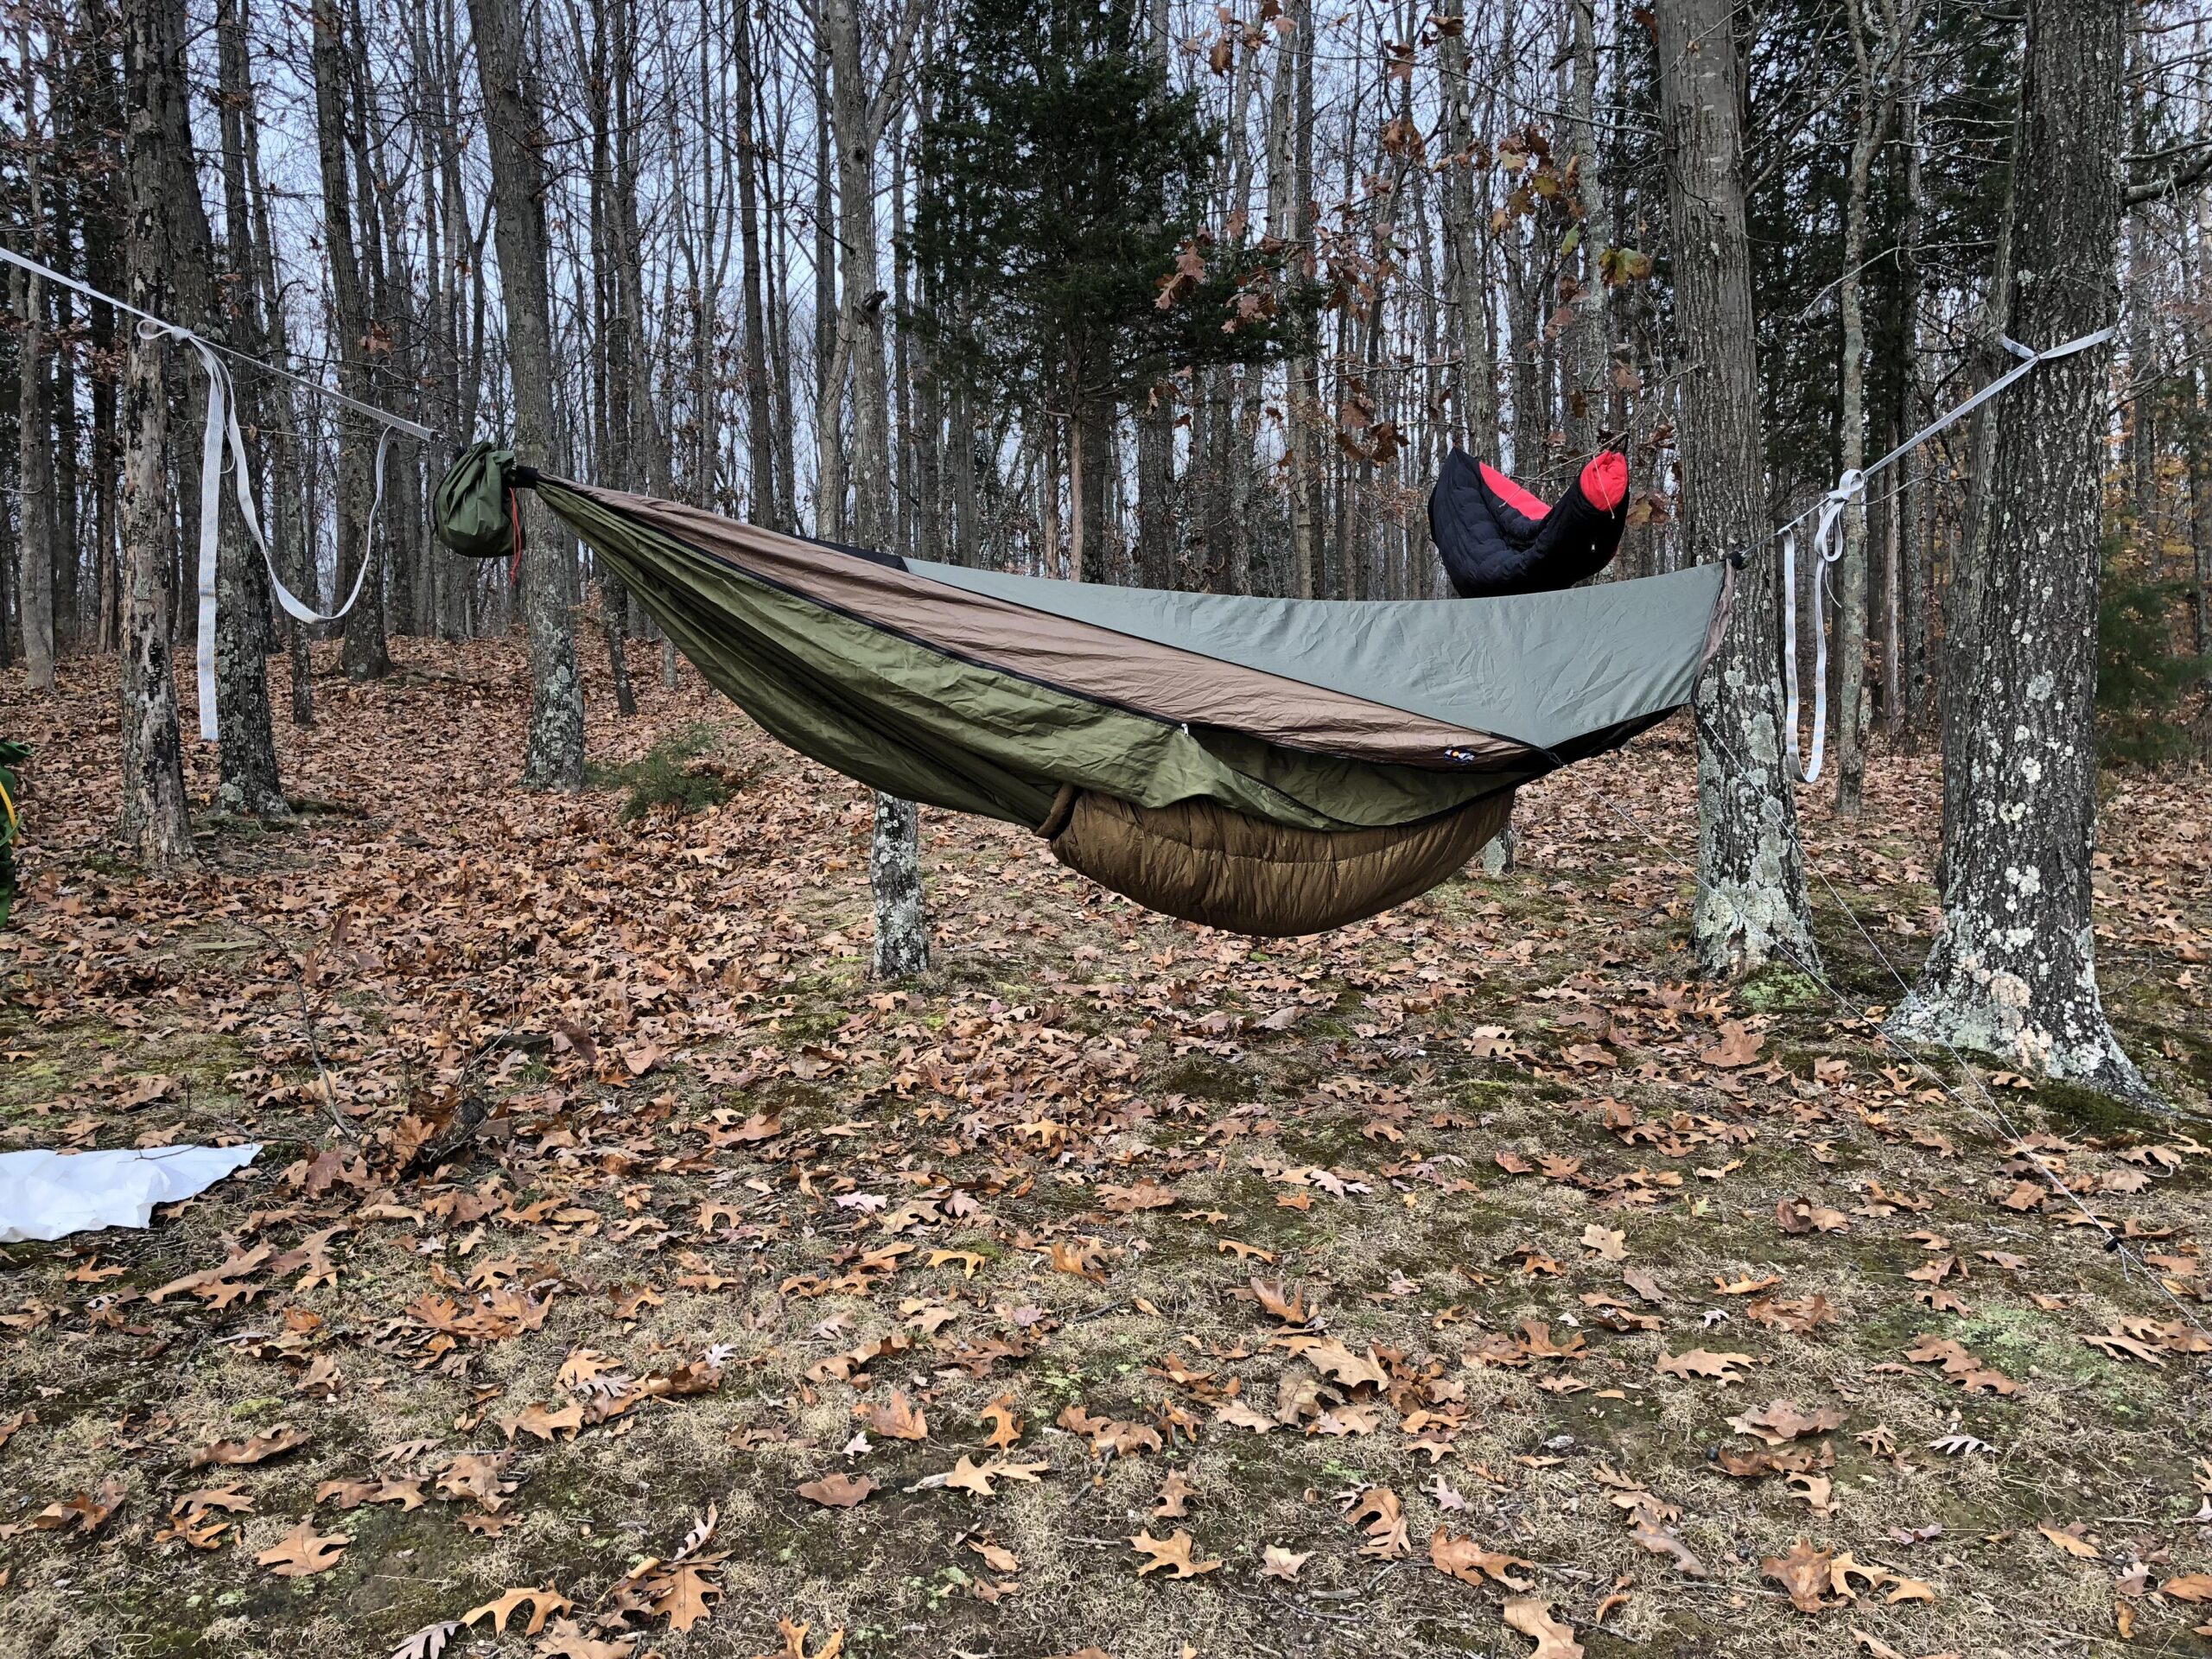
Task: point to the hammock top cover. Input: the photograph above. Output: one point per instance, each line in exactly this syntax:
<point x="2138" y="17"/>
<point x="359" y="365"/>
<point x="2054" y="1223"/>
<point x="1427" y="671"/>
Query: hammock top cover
<point x="1272" y="765"/>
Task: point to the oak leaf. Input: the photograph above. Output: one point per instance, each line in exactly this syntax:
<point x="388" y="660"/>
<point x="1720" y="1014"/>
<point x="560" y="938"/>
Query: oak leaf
<point x="2071" y="1542"/>
<point x="543" y="1602"/>
<point x="840" y="1491"/>
<point x="258" y="1449"/>
<point x="1006" y="1428"/>
<point x="1533" y="1617"/>
<point x="1739" y="1047"/>
<point x="303" y="1551"/>
<point x="1172" y="1552"/>
<point x="895" y="1419"/>
<point x="680" y="1595"/>
<point x="1700" y="1362"/>
<point x="1805" y="1572"/>
<point x="1377" y="1511"/>
<point x="1780" y="1422"/>
<point x="1468" y="1561"/>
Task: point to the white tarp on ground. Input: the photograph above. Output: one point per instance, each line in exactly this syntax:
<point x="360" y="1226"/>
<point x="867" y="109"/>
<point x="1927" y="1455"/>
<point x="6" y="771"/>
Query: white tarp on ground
<point x="53" y="1194"/>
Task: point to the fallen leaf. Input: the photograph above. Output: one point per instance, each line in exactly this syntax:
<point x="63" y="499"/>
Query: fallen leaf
<point x="1804" y="1573"/>
<point x="840" y="1491"/>
<point x="1172" y="1553"/>
<point x="2071" y="1543"/>
<point x="895" y="1419"/>
<point x="303" y="1551"/>
<point x="1533" y="1617"/>
<point x="259" y="1449"/>
<point x="1607" y="1243"/>
<point x="1700" y="1362"/>
<point x="1469" y="1562"/>
<point x="1739" y="1047"/>
<point x="543" y="1602"/>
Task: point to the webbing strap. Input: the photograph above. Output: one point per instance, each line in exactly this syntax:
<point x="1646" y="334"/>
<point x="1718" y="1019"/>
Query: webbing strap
<point x="1828" y="547"/>
<point x="221" y="432"/>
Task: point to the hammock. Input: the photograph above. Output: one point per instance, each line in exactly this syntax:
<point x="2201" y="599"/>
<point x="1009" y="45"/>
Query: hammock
<point x="1272" y="766"/>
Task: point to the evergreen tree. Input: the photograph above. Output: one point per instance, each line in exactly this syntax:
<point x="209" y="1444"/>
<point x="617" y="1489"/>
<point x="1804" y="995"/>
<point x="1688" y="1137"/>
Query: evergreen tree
<point x="1059" y="226"/>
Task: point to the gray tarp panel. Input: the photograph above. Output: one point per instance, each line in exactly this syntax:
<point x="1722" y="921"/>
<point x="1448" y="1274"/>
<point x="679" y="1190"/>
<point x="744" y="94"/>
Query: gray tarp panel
<point x="1520" y="667"/>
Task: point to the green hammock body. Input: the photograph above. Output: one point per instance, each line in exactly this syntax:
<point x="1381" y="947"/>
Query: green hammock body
<point x="1271" y="765"/>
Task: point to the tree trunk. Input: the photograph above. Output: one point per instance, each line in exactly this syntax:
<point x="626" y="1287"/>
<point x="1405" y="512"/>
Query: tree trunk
<point x="156" y="822"/>
<point x="35" y="476"/>
<point x="1303" y="377"/>
<point x="1470" y="276"/>
<point x="1915" y="502"/>
<point x="34" y="545"/>
<point x="1850" y="649"/>
<point x="760" y="421"/>
<point x="555" y="757"/>
<point x="249" y="782"/>
<point x="2013" y="972"/>
<point x="902" y="940"/>
<point x="1751" y="902"/>
<point x="364" y="654"/>
<point x="1589" y="334"/>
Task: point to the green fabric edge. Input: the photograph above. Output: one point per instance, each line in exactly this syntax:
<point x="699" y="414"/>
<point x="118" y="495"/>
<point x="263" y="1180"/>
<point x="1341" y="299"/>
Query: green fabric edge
<point x="909" y="719"/>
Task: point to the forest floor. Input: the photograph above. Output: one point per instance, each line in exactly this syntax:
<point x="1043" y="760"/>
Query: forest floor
<point x="1473" y="1280"/>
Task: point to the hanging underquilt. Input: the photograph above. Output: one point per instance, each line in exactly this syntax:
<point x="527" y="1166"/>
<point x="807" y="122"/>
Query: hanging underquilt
<point x="1271" y="766"/>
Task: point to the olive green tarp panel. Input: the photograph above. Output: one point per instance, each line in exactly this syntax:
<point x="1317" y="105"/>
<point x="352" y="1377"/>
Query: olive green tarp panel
<point x="1551" y="670"/>
<point x="1184" y="688"/>
<point x="914" y="721"/>
<point x="1206" y="864"/>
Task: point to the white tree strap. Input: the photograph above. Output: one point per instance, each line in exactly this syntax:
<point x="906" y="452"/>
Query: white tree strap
<point x="1828" y="547"/>
<point x="222" y="430"/>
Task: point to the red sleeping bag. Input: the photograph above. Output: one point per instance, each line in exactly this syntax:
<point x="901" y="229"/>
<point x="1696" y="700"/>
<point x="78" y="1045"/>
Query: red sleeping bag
<point x="1497" y="538"/>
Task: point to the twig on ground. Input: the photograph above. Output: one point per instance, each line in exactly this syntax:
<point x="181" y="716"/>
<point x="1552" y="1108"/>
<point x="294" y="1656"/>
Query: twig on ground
<point x="307" y="1025"/>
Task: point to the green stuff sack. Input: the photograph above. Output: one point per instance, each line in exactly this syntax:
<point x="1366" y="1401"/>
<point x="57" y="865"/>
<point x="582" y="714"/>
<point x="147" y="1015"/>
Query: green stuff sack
<point x="476" y="503"/>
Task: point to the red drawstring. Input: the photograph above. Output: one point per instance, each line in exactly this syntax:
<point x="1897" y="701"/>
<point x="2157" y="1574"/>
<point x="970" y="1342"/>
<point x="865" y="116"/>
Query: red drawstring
<point x="514" y="517"/>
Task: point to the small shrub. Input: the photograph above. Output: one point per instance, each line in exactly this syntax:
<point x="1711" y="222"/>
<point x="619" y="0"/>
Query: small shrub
<point x="671" y="773"/>
<point x="2143" y="681"/>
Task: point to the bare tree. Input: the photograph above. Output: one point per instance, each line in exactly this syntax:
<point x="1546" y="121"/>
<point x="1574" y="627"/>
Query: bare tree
<point x="2014" y="971"/>
<point x="365" y="654"/>
<point x="555" y="756"/>
<point x="902" y="939"/>
<point x="1752" y="901"/>
<point x="157" y="821"/>
<point x="34" y="424"/>
<point x="249" y="782"/>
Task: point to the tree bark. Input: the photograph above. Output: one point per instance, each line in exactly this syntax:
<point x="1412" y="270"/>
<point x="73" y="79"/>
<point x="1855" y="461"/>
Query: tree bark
<point x="1589" y="334"/>
<point x="364" y="654"/>
<point x="1850" y="647"/>
<point x="249" y="782"/>
<point x="157" y="821"/>
<point x="2013" y="972"/>
<point x="765" y="507"/>
<point x="35" y="544"/>
<point x="902" y="939"/>
<point x="35" y="476"/>
<point x="1751" y="902"/>
<point x="555" y="756"/>
<point x="1470" y="276"/>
